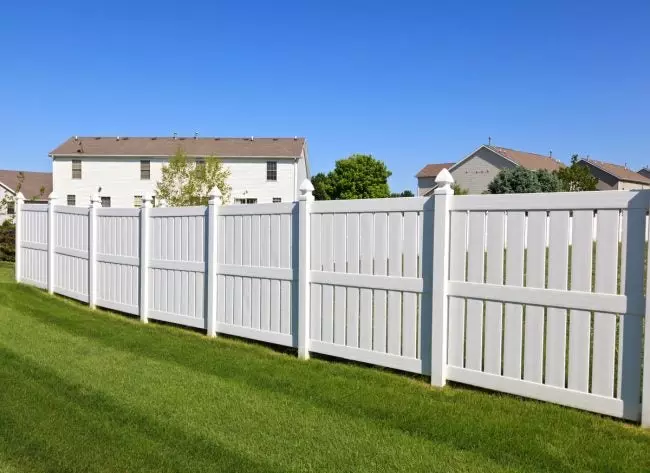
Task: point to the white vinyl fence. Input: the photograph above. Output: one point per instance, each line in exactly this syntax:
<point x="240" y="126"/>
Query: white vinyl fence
<point x="538" y="295"/>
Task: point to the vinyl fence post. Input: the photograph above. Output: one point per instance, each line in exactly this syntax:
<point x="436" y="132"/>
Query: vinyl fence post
<point x="18" y="234"/>
<point x="51" y="232"/>
<point x="442" y="195"/>
<point x="214" y="201"/>
<point x="145" y="225"/>
<point x="304" y="260"/>
<point x="92" y="250"/>
<point x="645" y="398"/>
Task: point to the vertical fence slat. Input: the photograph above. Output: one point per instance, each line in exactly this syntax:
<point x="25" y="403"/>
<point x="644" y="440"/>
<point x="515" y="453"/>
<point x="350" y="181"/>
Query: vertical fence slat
<point x="494" y="310"/>
<point x="410" y="300"/>
<point x="631" y="325"/>
<point x="475" y="273"/>
<point x="381" y="254"/>
<point x="558" y="262"/>
<point x="535" y="275"/>
<point x="394" y="322"/>
<point x="579" y="320"/>
<point x="352" y="303"/>
<point x="366" y="251"/>
<point x="457" y="262"/>
<point x="605" y="324"/>
<point x="513" y="319"/>
<point x="315" y="296"/>
<point x="339" y="242"/>
<point x="327" y="294"/>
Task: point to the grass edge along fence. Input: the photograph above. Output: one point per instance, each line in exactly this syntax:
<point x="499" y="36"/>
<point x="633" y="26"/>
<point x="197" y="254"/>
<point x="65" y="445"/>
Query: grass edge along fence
<point x="414" y="284"/>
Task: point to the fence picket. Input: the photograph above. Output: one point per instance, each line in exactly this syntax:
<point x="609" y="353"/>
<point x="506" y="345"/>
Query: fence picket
<point x="535" y="275"/>
<point x="457" y="262"/>
<point x="381" y="266"/>
<point x="475" y="273"/>
<point x="513" y="326"/>
<point x="494" y="310"/>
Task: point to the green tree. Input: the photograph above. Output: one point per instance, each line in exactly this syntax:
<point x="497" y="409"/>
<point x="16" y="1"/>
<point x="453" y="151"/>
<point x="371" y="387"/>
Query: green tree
<point x="404" y="193"/>
<point x="459" y="190"/>
<point x="186" y="182"/>
<point x="576" y="178"/>
<point x="520" y="180"/>
<point x="358" y="177"/>
<point x="322" y="188"/>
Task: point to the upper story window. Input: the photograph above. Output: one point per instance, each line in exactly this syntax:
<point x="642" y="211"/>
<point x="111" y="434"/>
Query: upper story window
<point x="145" y="170"/>
<point x="245" y="201"/>
<point x="271" y="170"/>
<point x="72" y="200"/>
<point x="76" y="169"/>
<point x="11" y="207"/>
<point x="106" y="201"/>
<point x="137" y="201"/>
<point x="277" y="200"/>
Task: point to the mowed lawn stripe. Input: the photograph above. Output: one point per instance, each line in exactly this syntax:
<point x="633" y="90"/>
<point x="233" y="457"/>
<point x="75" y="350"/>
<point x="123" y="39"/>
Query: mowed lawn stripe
<point x="92" y="391"/>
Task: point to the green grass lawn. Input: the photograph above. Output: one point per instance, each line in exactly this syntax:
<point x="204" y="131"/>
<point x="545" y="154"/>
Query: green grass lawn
<point x="85" y="391"/>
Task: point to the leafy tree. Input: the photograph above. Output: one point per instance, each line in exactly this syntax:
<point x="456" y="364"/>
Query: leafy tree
<point x="9" y="198"/>
<point x="576" y="178"/>
<point x="322" y="188"/>
<point x="358" y="177"/>
<point x="405" y="193"/>
<point x="185" y="182"/>
<point x="7" y="241"/>
<point x="459" y="190"/>
<point x="520" y="180"/>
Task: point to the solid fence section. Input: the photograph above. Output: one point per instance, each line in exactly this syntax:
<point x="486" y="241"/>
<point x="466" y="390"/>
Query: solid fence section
<point x="542" y="296"/>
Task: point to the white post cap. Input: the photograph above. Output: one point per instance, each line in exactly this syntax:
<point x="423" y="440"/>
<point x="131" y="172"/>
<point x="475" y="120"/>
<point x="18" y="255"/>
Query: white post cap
<point x="19" y="196"/>
<point x="214" y="197"/>
<point x="306" y="190"/>
<point x="95" y="200"/>
<point x="146" y="199"/>
<point x="53" y="196"/>
<point x="444" y="180"/>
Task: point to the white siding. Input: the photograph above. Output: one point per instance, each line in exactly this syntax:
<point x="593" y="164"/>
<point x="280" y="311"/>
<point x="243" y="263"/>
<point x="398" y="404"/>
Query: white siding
<point x="119" y="178"/>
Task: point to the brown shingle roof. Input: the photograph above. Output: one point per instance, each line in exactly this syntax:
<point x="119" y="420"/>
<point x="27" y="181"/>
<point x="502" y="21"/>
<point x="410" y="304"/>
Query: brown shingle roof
<point x="528" y="160"/>
<point x="432" y="170"/>
<point x="167" y="146"/>
<point x="37" y="185"/>
<point x="619" y="172"/>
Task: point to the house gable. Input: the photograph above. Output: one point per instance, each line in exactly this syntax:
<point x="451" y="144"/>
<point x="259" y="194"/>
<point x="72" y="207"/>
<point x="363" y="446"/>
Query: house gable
<point x="477" y="170"/>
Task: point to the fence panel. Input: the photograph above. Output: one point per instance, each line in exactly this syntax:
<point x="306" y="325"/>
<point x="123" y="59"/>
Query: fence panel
<point x="177" y="265"/>
<point x="567" y="326"/>
<point x="118" y="259"/>
<point x="71" y="252"/>
<point x="34" y="244"/>
<point x="256" y="272"/>
<point x="367" y="280"/>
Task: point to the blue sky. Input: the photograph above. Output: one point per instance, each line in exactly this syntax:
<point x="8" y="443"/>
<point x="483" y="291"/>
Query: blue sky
<point x="410" y="82"/>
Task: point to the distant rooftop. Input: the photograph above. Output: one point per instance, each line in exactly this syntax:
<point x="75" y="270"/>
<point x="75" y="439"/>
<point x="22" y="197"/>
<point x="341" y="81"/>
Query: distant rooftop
<point x="622" y="173"/>
<point x="192" y="146"/>
<point x="36" y="185"/>
<point x="432" y="170"/>
<point x="528" y="160"/>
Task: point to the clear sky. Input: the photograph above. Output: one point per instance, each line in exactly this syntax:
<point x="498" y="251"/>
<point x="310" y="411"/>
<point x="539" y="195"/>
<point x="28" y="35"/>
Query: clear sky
<point x="411" y="82"/>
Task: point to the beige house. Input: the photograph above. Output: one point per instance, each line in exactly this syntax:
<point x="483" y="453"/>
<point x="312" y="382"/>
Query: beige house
<point x="478" y="169"/>
<point x="615" y="177"/>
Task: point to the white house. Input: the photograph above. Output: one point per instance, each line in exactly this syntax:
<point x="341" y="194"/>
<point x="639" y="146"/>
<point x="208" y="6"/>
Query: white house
<point x="35" y="186"/>
<point x="122" y="169"/>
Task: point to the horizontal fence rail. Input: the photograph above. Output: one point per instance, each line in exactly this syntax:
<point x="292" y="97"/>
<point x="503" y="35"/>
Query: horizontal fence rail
<point x="537" y="295"/>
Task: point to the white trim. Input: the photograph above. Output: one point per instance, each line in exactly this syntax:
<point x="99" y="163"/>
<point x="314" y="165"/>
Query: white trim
<point x="387" y="360"/>
<point x="117" y="306"/>
<point x="69" y="210"/>
<point x="81" y="254"/>
<point x="118" y="259"/>
<point x="164" y="156"/>
<point x="197" y="211"/>
<point x="577" y="300"/>
<point x="30" y="245"/>
<point x="543" y="392"/>
<point x="33" y="282"/>
<point x="394" y="204"/>
<point x="259" y="335"/>
<point x="368" y="281"/>
<point x="594" y="200"/>
<point x="117" y="212"/>
<point x="71" y="294"/>
<point x="190" y="266"/>
<point x="257" y="209"/>
<point x="176" y="319"/>
<point x="257" y="272"/>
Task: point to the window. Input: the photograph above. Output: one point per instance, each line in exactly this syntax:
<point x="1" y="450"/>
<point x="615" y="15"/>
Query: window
<point x="245" y="201"/>
<point x="137" y="201"/>
<point x="200" y="162"/>
<point x="145" y="170"/>
<point x="106" y="201"/>
<point x="271" y="170"/>
<point x="11" y="207"/>
<point x="76" y="169"/>
<point x="72" y="200"/>
<point x="277" y="200"/>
